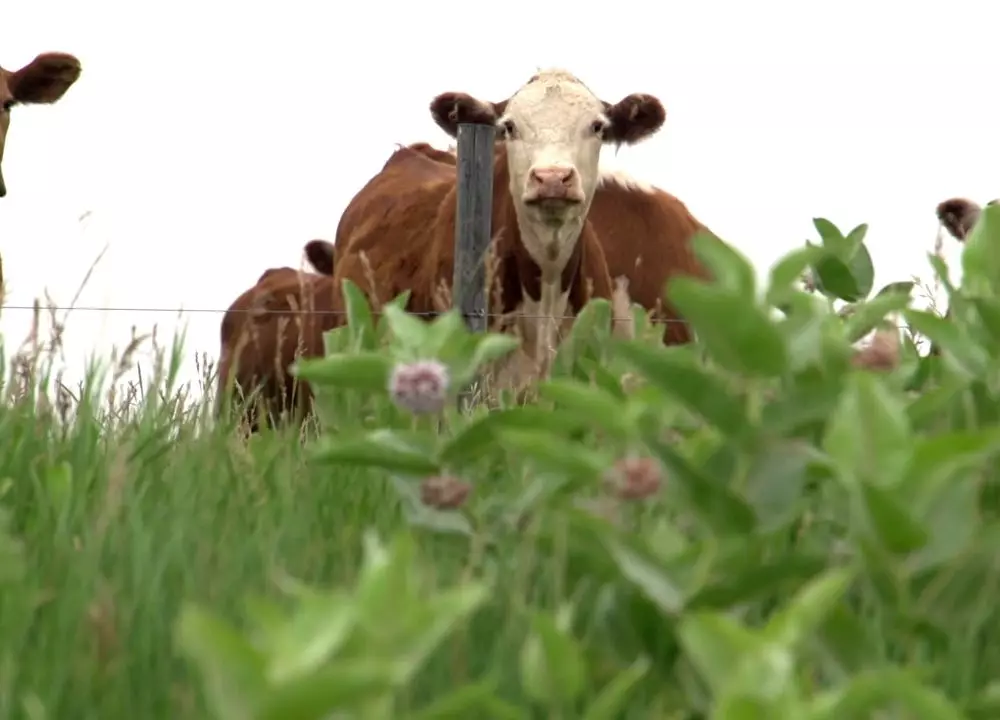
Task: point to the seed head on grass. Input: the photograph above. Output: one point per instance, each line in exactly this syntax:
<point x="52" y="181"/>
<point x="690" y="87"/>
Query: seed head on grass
<point x="420" y="387"/>
<point x="635" y="478"/>
<point x="444" y="492"/>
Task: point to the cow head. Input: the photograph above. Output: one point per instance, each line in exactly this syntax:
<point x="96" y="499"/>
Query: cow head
<point x="553" y="128"/>
<point x="958" y="216"/>
<point x="42" y="81"/>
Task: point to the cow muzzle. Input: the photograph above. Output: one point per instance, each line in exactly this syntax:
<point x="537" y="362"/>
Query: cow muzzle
<point x="553" y="187"/>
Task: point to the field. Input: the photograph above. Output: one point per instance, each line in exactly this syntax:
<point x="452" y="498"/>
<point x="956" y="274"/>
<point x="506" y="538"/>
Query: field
<point x="771" y="523"/>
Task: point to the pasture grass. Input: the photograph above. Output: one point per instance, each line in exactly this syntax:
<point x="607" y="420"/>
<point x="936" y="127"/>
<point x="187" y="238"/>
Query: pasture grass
<point x="121" y="508"/>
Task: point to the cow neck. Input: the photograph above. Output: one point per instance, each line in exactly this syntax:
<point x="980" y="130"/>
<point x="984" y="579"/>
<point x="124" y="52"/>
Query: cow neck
<point x="512" y="244"/>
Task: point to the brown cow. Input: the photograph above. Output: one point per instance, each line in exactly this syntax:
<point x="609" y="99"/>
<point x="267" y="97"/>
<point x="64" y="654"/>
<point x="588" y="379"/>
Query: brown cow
<point x="42" y="81"/>
<point x="959" y="215"/>
<point x="644" y="232"/>
<point x="549" y="258"/>
<point x="282" y="317"/>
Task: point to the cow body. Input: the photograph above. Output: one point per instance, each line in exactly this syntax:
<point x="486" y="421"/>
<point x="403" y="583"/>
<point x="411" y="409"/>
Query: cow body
<point x="42" y="81"/>
<point x="282" y="317"/>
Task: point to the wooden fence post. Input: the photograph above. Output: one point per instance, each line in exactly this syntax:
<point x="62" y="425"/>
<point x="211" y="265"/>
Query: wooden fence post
<point x="472" y="226"/>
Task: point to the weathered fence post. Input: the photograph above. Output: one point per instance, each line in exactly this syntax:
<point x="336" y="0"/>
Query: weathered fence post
<point x="472" y="226"/>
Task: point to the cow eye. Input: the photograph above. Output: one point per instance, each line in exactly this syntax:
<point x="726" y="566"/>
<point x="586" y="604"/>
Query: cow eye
<point x="8" y="104"/>
<point x="598" y="127"/>
<point x="509" y="129"/>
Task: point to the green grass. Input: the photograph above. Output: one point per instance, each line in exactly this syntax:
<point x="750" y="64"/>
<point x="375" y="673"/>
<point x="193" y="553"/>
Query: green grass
<point x="124" y="511"/>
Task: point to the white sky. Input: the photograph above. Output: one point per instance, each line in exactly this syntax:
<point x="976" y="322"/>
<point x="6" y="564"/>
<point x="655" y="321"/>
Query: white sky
<point x="209" y="140"/>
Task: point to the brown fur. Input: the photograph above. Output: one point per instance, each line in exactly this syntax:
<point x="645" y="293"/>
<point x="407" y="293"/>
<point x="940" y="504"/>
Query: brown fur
<point x="644" y="237"/>
<point x="959" y="215"/>
<point x="42" y="81"/>
<point x="262" y="335"/>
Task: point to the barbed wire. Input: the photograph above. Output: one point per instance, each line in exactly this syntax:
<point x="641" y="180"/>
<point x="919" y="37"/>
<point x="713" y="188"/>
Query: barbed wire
<point x="267" y="311"/>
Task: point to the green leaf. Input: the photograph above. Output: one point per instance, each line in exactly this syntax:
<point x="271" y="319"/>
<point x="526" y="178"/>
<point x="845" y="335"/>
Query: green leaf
<point x="553" y="453"/>
<point x="478" y="699"/>
<point x="776" y="480"/>
<point x="863" y="694"/>
<point x="868" y="314"/>
<point x="759" y="581"/>
<point x="834" y="278"/>
<point x="489" y="348"/>
<point x="716" y="645"/>
<point x="610" y="702"/>
<point x="808" y="608"/>
<point x="788" y="271"/>
<point x="320" y="626"/>
<point x="833" y="240"/>
<point x="862" y="270"/>
<point x="968" y="357"/>
<point x="981" y="255"/>
<point x="366" y="371"/>
<point x="444" y="329"/>
<point x="340" y="685"/>
<point x="679" y="376"/>
<point x="480" y="436"/>
<point x="898" y="531"/>
<point x="869" y="435"/>
<point x="647" y="575"/>
<point x="359" y="316"/>
<point x="727" y="266"/>
<point x="232" y="671"/>
<point x="738" y="334"/>
<point x="552" y="667"/>
<point x="382" y="449"/>
<point x="903" y="287"/>
<point x="601" y="408"/>
<point x="407" y="329"/>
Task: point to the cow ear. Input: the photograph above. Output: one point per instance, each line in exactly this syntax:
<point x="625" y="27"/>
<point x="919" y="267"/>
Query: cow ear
<point x="451" y="109"/>
<point x="634" y="118"/>
<point x="45" y="79"/>
<point x="320" y="256"/>
<point x="958" y="215"/>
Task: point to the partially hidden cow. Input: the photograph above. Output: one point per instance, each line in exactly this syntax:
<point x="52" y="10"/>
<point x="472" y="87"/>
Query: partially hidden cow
<point x="548" y="258"/>
<point x="959" y="215"/>
<point x="42" y="81"/>
<point x="282" y="317"/>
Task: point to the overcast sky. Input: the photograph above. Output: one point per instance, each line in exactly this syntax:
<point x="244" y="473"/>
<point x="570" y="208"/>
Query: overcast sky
<point x="206" y="141"/>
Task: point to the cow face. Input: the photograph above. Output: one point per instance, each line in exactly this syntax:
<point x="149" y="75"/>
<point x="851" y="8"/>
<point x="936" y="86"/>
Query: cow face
<point x="42" y="81"/>
<point x="553" y="128"/>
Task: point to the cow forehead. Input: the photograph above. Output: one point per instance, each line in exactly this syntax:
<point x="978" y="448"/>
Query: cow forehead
<point x="552" y="99"/>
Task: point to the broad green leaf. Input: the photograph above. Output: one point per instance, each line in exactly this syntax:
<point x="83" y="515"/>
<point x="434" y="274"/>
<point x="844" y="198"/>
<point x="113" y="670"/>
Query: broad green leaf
<point x="610" y="702"/>
<point x="359" y="316"/>
<point x="380" y="449"/>
<point x="834" y="278"/>
<point x="961" y="349"/>
<point x="894" y="525"/>
<point x="776" y="480"/>
<point x="786" y="273"/>
<point x="869" y="435"/>
<point x="902" y="287"/>
<point x="409" y="330"/>
<point x="479" y="436"/>
<point x="475" y="700"/>
<point x="758" y="582"/>
<point x="981" y="255"/>
<point x="727" y="266"/>
<point x="366" y="371"/>
<point x="868" y="314"/>
<point x="337" y="686"/>
<point x="808" y="608"/>
<point x="317" y="629"/>
<point x="232" y="671"/>
<point x="601" y="408"/>
<point x="444" y="329"/>
<point x="862" y="270"/>
<point x="680" y="377"/>
<point x="738" y="334"/>
<point x="556" y="454"/>
<point x="716" y="645"/>
<point x="647" y="575"/>
<point x="553" y="672"/>
<point x="876" y="689"/>
<point x="833" y="239"/>
<point x="716" y="503"/>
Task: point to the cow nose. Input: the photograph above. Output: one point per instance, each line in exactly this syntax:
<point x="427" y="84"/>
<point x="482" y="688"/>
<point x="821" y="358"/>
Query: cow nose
<point x="552" y="183"/>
